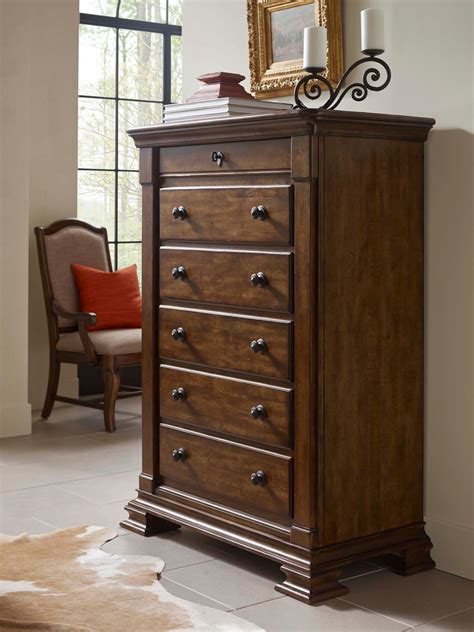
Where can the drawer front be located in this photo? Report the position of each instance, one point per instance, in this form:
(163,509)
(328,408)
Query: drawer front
(224,469)
(223,341)
(245,409)
(217,276)
(254,155)
(224,214)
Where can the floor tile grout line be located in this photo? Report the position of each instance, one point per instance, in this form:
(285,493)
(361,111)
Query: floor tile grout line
(57,483)
(444,617)
(226,605)
(378,613)
(258,603)
(48,524)
(98,503)
(177,568)
(348,579)
(39,436)
(74,480)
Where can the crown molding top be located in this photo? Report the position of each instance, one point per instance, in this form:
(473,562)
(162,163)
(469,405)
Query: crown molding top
(284,124)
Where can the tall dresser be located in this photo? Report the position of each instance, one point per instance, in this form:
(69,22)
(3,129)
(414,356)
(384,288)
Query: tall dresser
(283,339)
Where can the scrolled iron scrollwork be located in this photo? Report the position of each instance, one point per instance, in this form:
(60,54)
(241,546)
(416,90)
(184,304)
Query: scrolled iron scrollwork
(372,81)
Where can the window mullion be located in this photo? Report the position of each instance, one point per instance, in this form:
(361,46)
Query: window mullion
(166,69)
(116,146)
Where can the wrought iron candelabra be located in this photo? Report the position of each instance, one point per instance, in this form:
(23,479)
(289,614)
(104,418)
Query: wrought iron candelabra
(372,80)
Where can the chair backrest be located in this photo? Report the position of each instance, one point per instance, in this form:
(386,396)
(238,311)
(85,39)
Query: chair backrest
(60,245)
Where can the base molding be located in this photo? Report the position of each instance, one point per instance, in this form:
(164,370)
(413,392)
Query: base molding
(146,524)
(312,574)
(451,546)
(312,587)
(15,420)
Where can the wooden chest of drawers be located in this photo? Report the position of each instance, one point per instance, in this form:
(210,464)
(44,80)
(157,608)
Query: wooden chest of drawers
(283,339)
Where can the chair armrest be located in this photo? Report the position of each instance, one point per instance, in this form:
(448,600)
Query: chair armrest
(88,318)
(82,319)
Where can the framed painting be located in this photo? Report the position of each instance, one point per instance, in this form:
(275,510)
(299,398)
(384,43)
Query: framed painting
(275,29)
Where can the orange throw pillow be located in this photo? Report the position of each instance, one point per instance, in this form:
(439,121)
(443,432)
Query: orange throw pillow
(113,296)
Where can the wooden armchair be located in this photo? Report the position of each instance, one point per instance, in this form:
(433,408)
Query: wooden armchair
(59,245)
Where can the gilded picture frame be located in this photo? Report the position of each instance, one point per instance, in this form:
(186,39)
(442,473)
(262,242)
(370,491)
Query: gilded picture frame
(275,31)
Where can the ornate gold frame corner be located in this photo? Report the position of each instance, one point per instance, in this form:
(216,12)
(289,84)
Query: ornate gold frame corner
(269,80)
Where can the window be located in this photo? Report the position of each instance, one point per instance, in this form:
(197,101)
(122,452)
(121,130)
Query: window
(129,67)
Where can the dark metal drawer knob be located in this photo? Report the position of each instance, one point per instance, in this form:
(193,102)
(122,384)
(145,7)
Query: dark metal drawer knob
(179,454)
(258,478)
(259,346)
(179,273)
(178,334)
(258,279)
(258,412)
(179,212)
(259,212)
(217,156)
(178,394)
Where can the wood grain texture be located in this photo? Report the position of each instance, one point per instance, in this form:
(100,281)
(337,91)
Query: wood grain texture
(223,404)
(223,468)
(306,494)
(223,214)
(343,375)
(253,155)
(224,341)
(150,366)
(285,125)
(373,339)
(222,276)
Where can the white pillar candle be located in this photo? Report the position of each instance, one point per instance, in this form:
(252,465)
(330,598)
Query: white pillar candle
(315,47)
(372,30)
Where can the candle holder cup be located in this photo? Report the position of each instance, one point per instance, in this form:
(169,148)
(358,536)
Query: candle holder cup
(372,80)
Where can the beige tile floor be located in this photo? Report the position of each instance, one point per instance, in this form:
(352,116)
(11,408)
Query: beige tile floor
(70,472)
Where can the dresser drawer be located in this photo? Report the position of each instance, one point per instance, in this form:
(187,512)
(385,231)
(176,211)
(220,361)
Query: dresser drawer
(215,466)
(224,214)
(224,341)
(245,409)
(254,155)
(222,276)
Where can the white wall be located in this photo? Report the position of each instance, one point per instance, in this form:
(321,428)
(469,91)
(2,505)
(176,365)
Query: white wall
(214,39)
(38,119)
(429,47)
(53,162)
(15,414)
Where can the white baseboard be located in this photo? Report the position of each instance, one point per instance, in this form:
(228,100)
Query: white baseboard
(15,420)
(453,547)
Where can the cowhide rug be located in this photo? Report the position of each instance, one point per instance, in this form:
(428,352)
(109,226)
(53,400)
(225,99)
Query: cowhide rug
(63,582)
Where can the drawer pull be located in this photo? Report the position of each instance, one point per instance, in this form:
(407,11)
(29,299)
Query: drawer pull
(217,156)
(259,279)
(258,412)
(178,394)
(179,273)
(259,346)
(178,334)
(258,478)
(259,212)
(179,454)
(179,212)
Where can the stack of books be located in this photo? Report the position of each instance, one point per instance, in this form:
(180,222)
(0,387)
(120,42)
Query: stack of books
(222,107)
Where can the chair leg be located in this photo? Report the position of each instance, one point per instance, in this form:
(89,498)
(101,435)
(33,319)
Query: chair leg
(111,376)
(52,389)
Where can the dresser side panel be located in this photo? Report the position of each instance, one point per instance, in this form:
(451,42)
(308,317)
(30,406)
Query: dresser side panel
(372,339)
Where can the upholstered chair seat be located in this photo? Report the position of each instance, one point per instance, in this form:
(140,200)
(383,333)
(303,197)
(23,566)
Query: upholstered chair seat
(105,342)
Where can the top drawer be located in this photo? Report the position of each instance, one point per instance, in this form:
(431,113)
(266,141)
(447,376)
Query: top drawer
(254,155)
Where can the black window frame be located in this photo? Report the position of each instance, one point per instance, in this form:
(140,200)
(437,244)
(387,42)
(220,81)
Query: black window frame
(116,22)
